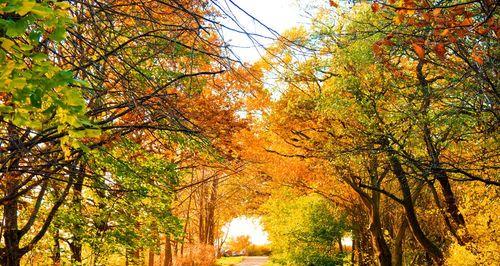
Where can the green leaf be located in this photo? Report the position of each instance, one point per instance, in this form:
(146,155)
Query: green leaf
(42,11)
(39,57)
(58,34)
(36,98)
(5,109)
(26,47)
(35,36)
(17,28)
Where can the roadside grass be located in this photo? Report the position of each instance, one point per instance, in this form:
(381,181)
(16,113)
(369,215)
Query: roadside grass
(228,261)
(270,263)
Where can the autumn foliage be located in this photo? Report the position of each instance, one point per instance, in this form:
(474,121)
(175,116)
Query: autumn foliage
(131,134)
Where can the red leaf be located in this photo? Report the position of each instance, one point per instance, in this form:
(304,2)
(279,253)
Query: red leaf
(440,50)
(375,7)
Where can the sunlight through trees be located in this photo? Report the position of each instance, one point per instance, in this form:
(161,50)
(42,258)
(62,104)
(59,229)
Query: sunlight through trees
(132,132)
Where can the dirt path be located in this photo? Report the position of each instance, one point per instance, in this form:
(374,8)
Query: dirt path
(253,261)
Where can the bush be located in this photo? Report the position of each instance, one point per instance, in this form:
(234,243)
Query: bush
(259,250)
(196,254)
(303,229)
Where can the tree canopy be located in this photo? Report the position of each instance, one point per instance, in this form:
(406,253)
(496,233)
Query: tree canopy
(131,133)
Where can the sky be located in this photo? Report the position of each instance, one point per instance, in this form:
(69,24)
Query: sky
(249,226)
(277,15)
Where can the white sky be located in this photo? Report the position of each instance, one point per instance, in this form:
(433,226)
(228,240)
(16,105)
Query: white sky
(278,15)
(249,226)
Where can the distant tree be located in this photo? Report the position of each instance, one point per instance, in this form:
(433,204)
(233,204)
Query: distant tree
(240,243)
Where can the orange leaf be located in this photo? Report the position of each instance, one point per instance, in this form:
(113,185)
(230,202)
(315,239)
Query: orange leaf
(482,30)
(419,50)
(467,22)
(375,7)
(445,32)
(426,16)
(333,4)
(436,12)
(398,19)
(477,58)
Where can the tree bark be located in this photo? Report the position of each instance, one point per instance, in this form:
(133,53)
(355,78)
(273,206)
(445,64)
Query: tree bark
(339,241)
(397,252)
(151,257)
(210,218)
(411,216)
(380,248)
(76,242)
(433,153)
(12,254)
(56,258)
(168,252)
(353,248)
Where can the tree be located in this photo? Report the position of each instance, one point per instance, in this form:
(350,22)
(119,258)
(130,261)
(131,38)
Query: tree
(303,230)
(240,244)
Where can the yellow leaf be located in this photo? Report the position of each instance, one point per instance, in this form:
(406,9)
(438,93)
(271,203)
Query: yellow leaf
(26,7)
(7,44)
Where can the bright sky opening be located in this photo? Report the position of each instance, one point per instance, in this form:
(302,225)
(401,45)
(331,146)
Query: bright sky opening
(276,15)
(249,226)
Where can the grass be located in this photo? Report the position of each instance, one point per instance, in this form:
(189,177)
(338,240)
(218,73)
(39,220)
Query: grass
(228,261)
(270,263)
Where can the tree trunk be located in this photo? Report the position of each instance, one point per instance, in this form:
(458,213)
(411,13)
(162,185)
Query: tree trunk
(360,251)
(12,253)
(151,257)
(168,252)
(433,153)
(397,252)
(76,242)
(76,251)
(447,221)
(339,241)
(353,248)
(56,257)
(210,218)
(449,197)
(380,248)
(415,228)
